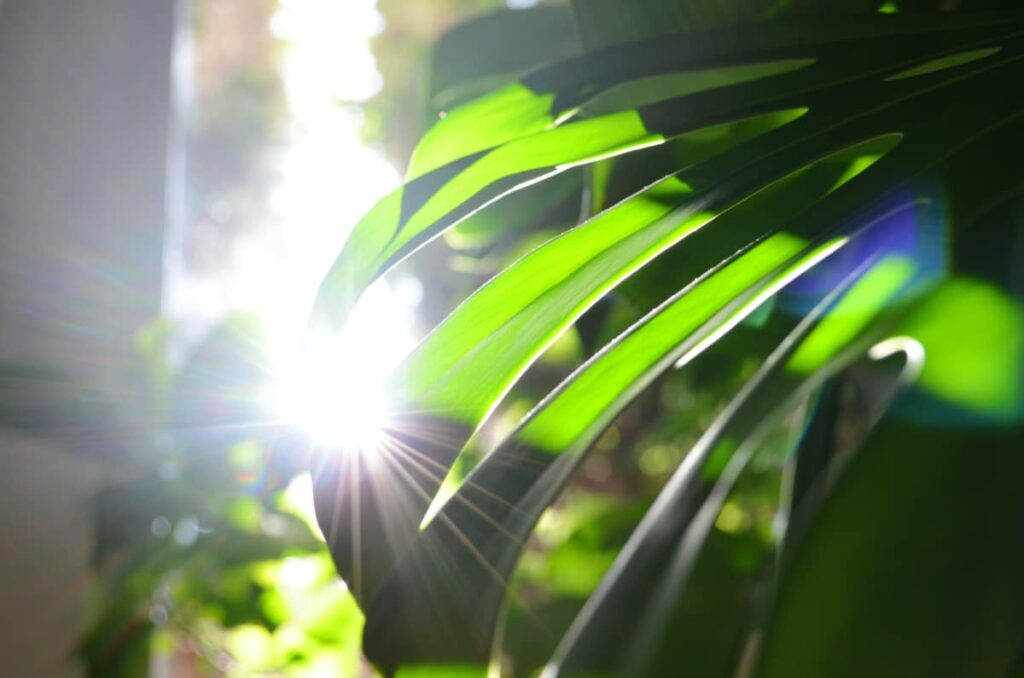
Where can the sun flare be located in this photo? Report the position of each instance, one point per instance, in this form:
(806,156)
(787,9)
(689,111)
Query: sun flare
(336,391)
(337,406)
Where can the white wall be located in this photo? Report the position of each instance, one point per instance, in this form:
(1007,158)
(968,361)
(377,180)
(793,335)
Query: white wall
(84,87)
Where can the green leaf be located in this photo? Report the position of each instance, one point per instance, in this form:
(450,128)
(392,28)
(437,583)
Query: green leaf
(942,63)
(418,212)
(974,363)
(499,46)
(550,94)
(852,314)
(653,568)
(501,500)
(434,201)
(549,204)
(915,558)
(656,88)
(480,531)
(433,596)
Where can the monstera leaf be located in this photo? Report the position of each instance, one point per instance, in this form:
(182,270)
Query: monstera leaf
(857,175)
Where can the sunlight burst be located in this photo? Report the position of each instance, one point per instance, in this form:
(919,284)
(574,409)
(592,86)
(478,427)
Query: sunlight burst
(337,405)
(336,392)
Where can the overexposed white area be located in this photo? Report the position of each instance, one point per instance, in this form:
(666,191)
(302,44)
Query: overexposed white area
(329,179)
(333,386)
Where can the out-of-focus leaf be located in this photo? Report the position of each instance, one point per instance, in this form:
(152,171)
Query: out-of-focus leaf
(912,566)
(656,88)
(607,22)
(500,45)
(336,619)
(442,671)
(974,363)
(950,61)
